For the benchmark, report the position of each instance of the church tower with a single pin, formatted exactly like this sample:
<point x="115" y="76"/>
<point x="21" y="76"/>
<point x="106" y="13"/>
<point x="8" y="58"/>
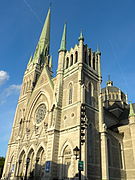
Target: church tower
<point x="47" y="125"/>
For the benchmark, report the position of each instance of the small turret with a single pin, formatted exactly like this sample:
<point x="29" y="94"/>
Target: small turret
<point x="62" y="50"/>
<point x="81" y="47"/>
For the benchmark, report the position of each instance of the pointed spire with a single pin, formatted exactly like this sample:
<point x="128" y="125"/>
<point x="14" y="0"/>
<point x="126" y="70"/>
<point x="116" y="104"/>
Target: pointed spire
<point x="45" y="35"/>
<point x="81" y="37"/>
<point x="44" y="40"/>
<point x="131" y="112"/>
<point x="63" y="41"/>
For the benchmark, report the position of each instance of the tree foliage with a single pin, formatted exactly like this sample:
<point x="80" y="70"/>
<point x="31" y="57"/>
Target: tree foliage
<point x="2" y="160"/>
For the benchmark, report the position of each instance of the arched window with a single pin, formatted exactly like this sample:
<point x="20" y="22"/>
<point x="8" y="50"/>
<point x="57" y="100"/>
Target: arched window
<point x="89" y="94"/>
<point x="70" y="93"/>
<point x="89" y="59"/>
<point x="85" y="57"/>
<point x="76" y="57"/>
<point x="67" y="62"/>
<point x="94" y="65"/>
<point x="71" y="61"/>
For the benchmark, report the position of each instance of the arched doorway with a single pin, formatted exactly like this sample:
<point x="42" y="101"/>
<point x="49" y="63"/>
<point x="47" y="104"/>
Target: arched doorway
<point x="21" y="164"/>
<point x="66" y="170"/>
<point x="30" y="164"/>
<point x="40" y="164"/>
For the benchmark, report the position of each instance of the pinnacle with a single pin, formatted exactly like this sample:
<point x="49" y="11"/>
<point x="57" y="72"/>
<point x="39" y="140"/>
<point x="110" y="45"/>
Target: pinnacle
<point x="63" y="41"/>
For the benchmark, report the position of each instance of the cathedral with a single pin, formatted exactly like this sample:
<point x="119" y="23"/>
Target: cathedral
<point x="67" y="126"/>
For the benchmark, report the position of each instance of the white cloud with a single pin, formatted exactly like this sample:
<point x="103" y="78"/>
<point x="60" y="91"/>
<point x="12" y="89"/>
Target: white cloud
<point x="13" y="89"/>
<point x="3" y="76"/>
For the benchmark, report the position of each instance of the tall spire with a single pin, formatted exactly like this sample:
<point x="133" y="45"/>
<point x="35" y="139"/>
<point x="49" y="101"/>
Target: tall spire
<point x="63" y="41"/>
<point x="44" y="40"/>
<point x="45" y="35"/>
<point x="131" y="112"/>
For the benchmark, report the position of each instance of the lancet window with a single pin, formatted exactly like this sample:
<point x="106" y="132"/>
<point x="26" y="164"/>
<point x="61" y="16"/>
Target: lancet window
<point x="70" y="93"/>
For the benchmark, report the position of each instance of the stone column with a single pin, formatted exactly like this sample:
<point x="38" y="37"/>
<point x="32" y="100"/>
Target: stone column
<point x="103" y="140"/>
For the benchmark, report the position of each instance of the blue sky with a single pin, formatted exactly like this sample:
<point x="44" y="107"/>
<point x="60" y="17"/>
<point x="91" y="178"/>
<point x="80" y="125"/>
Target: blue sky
<point x="108" y="23"/>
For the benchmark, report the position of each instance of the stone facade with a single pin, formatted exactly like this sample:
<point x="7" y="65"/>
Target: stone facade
<point x="47" y="122"/>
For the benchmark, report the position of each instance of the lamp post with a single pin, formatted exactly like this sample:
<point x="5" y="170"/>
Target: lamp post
<point x="27" y="164"/>
<point x="76" y="152"/>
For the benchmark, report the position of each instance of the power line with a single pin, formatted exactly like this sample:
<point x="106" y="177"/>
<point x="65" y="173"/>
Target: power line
<point x="33" y="12"/>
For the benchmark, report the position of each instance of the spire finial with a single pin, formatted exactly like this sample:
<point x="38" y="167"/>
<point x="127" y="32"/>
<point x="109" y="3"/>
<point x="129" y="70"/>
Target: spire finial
<point x="63" y="41"/>
<point x="109" y="82"/>
<point x="81" y="37"/>
<point x="131" y="111"/>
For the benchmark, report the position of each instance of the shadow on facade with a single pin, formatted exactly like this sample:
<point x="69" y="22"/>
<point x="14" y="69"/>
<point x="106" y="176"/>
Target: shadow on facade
<point x="40" y="173"/>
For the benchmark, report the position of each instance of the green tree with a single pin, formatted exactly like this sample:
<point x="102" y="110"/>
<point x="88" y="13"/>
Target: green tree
<point x="2" y="160"/>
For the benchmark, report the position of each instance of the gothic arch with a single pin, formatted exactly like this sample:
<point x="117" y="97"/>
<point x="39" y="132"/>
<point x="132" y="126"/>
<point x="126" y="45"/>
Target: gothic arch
<point x="89" y="93"/>
<point x="21" y="163"/>
<point x="67" y="63"/>
<point x="29" y="149"/>
<point x="40" y="162"/>
<point x="41" y="145"/>
<point x="34" y="102"/>
<point x="66" y="159"/>
<point x="76" y="56"/>
<point x="31" y="162"/>
<point x="69" y="143"/>
<point x="22" y="150"/>
<point x="71" y="59"/>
